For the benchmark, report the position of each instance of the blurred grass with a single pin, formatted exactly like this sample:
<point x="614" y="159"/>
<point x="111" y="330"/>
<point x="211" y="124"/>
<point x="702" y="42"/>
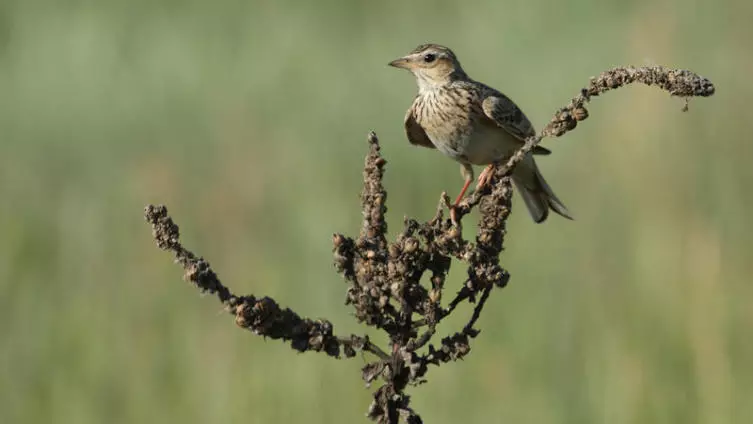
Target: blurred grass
<point x="248" y="119"/>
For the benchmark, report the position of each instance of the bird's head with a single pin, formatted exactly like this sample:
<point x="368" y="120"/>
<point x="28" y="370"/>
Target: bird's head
<point x="432" y="64"/>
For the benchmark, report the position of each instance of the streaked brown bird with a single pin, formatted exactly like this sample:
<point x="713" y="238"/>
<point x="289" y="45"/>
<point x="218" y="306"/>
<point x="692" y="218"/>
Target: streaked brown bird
<point x="473" y="124"/>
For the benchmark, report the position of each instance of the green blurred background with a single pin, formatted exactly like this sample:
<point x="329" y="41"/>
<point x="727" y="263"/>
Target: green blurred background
<point x="249" y="120"/>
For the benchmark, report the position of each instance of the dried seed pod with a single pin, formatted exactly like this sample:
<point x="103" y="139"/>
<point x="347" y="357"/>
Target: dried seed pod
<point x="580" y="113"/>
<point x="394" y="251"/>
<point x="435" y="295"/>
<point x="410" y="245"/>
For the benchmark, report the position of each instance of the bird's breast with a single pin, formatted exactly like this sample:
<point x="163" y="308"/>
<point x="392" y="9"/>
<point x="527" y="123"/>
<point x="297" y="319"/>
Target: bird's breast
<point x="471" y="142"/>
<point x="447" y="121"/>
<point x="455" y="124"/>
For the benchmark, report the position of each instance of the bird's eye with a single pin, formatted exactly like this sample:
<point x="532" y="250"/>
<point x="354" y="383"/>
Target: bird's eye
<point x="429" y="57"/>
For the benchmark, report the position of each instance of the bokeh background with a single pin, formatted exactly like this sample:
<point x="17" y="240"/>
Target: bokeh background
<point x="249" y="120"/>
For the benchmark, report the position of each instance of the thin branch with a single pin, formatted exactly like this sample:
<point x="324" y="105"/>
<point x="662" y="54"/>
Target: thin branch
<point x="263" y="316"/>
<point x="355" y="343"/>
<point x="468" y="329"/>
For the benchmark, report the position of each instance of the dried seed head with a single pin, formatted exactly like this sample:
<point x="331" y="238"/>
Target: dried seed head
<point x="410" y="245"/>
<point x="383" y="301"/>
<point x="435" y="295"/>
<point x="580" y="113"/>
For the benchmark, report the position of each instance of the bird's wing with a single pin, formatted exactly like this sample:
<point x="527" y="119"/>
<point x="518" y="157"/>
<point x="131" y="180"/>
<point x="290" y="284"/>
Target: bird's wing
<point x="416" y="134"/>
<point x="507" y="115"/>
<point x="504" y="113"/>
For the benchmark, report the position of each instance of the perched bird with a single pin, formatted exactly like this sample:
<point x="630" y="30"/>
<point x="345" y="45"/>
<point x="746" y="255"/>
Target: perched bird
<point x="473" y="124"/>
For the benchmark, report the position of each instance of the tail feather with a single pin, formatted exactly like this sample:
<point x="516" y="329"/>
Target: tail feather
<point x="537" y="206"/>
<point x="536" y="193"/>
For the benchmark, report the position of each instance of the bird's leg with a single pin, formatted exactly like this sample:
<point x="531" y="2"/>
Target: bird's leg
<point x="467" y="171"/>
<point x="485" y="176"/>
<point x="462" y="192"/>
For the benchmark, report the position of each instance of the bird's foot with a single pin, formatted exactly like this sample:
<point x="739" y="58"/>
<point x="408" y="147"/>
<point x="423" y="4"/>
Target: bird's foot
<point x="485" y="176"/>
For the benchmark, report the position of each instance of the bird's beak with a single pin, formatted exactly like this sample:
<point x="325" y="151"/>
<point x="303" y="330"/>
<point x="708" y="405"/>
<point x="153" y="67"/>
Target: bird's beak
<point x="403" y="62"/>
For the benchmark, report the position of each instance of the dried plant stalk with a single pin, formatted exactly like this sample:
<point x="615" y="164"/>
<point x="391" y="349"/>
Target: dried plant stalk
<point x="384" y="278"/>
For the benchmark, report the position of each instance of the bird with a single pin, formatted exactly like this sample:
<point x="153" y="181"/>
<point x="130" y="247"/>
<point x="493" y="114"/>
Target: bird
<point x="473" y="124"/>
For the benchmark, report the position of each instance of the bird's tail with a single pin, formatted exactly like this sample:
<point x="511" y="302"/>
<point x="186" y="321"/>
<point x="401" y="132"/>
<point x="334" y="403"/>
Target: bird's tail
<point x="536" y="193"/>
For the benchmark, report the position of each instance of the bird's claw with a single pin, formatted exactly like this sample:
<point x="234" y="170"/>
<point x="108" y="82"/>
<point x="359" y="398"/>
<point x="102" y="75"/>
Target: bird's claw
<point x="485" y="176"/>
